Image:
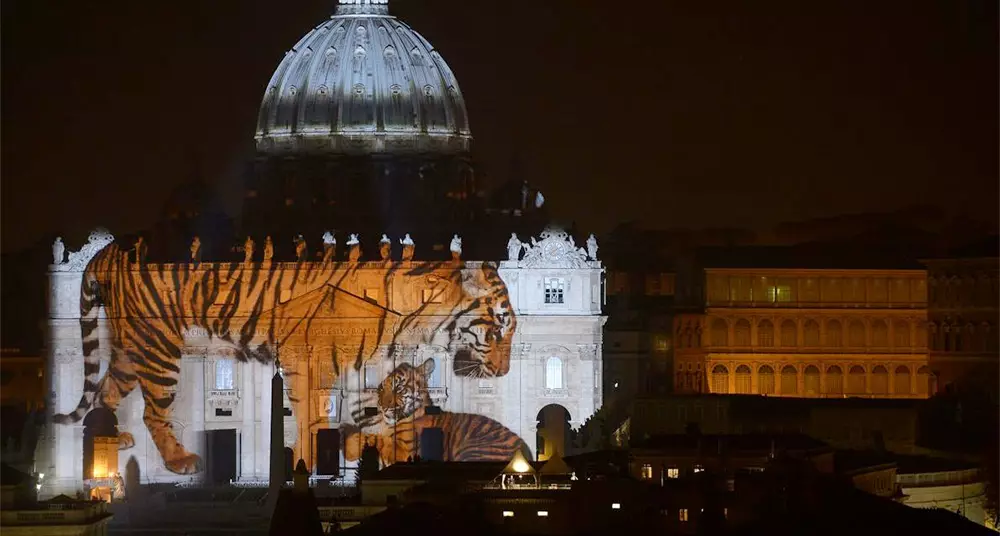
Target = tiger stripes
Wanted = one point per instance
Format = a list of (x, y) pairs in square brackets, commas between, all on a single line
[(402, 400), (252, 308)]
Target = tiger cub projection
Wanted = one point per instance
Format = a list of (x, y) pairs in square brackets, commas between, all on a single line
[(402, 402)]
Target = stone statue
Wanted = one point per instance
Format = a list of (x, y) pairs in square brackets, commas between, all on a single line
[(592, 247), (140, 251), (514, 247), (385, 247), (456, 247), (58, 251), (353, 248), (248, 250), (408, 246), (196, 250), (268, 249), (329, 246), (300, 249)]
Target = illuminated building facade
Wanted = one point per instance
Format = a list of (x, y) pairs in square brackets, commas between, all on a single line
[(367, 349), (964, 308), (811, 333)]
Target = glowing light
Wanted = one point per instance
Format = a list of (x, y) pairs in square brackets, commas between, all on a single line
[(543, 513), (41, 476), (616, 506), (508, 513), (521, 466)]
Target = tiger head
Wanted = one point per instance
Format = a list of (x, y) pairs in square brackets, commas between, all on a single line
[(404, 391), (482, 328)]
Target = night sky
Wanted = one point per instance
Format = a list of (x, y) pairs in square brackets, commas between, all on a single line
[(674, 113)]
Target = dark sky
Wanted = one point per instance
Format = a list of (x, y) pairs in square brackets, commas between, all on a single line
[(675, 113)]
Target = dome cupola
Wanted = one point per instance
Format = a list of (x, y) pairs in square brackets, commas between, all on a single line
[(362, 82)]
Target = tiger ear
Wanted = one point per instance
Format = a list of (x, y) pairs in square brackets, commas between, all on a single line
[(427, 368)]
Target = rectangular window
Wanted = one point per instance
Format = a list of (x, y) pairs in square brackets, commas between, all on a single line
[(554, 288), (224, 379), (431, 295), (543, 513), (698, 468), (647, 471), (673, 472), (508, 513), (434, 379), (219, 412), (553, 373), (371, 377), (662, 343), (682, 514)]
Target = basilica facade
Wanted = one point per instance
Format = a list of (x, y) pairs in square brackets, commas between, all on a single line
[(494, 344)]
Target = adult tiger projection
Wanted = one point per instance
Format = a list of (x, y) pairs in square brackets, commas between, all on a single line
[(181, 353)]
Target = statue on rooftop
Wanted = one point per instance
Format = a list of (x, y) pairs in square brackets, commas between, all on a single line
[(196, 250), (329, 246), (301, 252), (514, 247), (456, 247), (408, 246), (140, 251), (353, 248), (385, 247), (58, 251), (248, 250), (592, 247), (268, 249)]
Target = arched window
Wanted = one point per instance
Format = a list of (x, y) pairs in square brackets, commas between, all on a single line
[(789, 380), (720, 332), (856, 334), (765, 334), (901, 334), (924, 381), (434, 378), (880, 334), (902, 381), (811, 381), (880, 380), (834, 334), (834, 381), (742, 329), (856, 380), (810, 334), (743, 379), (720, 379), (789, 333), (225, 377), (553, 373), (765, 380)]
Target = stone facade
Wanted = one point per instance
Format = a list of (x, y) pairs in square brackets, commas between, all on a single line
[(807, 333), (554, 358)]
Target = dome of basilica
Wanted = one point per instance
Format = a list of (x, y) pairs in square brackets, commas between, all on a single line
[(363, 82)]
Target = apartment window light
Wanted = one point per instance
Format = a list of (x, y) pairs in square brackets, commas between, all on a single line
[(508, 513), (673, 472), (682, 514), (543, 513), (616, 506)]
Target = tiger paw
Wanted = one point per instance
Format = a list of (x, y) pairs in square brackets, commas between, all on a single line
[(125, 441), (187, 464)]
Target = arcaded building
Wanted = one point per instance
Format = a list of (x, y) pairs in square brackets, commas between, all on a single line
[(811, 333)]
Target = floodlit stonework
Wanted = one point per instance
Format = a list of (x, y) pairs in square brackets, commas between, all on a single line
[(807, 333), (324, 340)]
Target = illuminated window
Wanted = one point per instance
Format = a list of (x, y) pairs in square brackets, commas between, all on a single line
[(554, 287), (698, 468), (682, 514), (779, 293), (543, 513), (508, 513), (662, 344), (224, 374), (725, 513), (371, 377), (553, 373), (647, 471), (616, 506), (673, 472)]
